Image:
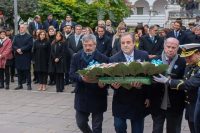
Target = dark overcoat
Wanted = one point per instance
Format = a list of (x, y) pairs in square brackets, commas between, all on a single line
[(41, 53), (89, 97), (129, 104), (25, 43)]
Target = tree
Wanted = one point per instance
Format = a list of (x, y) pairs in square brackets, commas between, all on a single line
[(26, 9), (84, 13)]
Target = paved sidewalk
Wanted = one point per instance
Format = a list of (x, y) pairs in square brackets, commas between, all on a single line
[(26, 111)]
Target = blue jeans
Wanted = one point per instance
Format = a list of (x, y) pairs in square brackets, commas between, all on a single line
[(137, 126)]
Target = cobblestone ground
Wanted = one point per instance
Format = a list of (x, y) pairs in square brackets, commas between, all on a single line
[(33, 111)]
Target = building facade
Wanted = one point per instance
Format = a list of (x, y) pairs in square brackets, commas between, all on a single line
[(151, 12)]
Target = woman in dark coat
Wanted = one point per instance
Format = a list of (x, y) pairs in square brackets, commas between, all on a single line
[(41, 55), (59, 57), (52, 34)]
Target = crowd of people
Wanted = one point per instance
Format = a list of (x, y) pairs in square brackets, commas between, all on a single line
[(58, 52)]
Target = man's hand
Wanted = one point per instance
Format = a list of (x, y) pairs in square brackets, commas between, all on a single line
[(116, 85), (19, 51), (152, 56), (161, 79), (56, 60), (147, 103), (101, 85), (137, 85), (89, 80)]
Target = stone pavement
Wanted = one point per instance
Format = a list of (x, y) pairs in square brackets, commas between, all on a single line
[(33, 111)]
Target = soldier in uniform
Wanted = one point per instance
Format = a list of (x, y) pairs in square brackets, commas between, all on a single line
[(190, 84)]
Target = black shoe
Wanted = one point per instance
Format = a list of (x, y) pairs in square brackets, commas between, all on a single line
[(29, 87), (12, 79), (36, 82), (7, 87), (1, 86), (50, 83), (19, 87), (73, 91), (53, 83)]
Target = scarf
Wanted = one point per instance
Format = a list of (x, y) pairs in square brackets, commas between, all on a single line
[(87, 58), (165, 102)]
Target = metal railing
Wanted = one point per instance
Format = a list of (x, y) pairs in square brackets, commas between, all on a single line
[(184, 14)]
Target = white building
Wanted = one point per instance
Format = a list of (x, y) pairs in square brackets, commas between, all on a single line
[(151, 12)]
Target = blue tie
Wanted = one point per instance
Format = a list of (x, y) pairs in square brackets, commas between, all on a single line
[(77, 39), (129, 58), (152, 39)]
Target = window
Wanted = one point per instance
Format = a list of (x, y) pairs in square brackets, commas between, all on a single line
[(140, 10)]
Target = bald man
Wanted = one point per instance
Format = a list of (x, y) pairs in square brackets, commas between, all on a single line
[(168, 104)]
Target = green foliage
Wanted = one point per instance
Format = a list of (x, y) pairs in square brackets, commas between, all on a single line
[(84, 13), (26, 9)]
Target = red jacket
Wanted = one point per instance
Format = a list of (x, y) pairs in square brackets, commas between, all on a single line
[(5, 52)]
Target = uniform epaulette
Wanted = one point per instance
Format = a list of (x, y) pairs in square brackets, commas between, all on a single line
[(198, 64)]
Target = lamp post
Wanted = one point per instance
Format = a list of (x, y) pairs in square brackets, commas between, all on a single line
[(15, 16)]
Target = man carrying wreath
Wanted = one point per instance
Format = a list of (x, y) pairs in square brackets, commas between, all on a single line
[(129, 104), (90, 97), (190, 84)]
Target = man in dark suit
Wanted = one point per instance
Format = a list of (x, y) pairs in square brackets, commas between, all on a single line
[(67, 34), (74, 42), (167, 104), (67, 31), (190, 84), (50, 22), (103, 41), (129, 104), (67, 21), (35, 25), (152, 43), (22, 45), (90, 97), (194, 37), (178, 33)]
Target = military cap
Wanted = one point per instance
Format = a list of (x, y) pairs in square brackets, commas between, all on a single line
[(189, 49)]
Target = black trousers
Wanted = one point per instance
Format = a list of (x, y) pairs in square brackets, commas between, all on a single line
[(35, 74), (7, 75), (42, 77), (82, 119), (59, 82), (173, 122), (67, 78), (52, 77), (24, 75)]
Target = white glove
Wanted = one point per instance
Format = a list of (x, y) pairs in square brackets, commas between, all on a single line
[(161, 79)]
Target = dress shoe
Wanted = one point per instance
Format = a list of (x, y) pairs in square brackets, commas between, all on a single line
[(12, 79), (29, 87), (19, 87), (7, 87), (73, 91), (1, 86), (50, 83)]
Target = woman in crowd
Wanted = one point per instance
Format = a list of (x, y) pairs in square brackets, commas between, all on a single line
[(137, 41), (35, 37), (5, 56), (140, 30), (51, 34), (59, 58), (11, 62), (41, 55)]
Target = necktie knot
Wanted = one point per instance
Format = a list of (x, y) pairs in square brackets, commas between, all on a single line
[(152, 39)]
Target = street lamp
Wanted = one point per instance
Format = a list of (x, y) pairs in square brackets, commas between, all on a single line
[(15, 16)]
